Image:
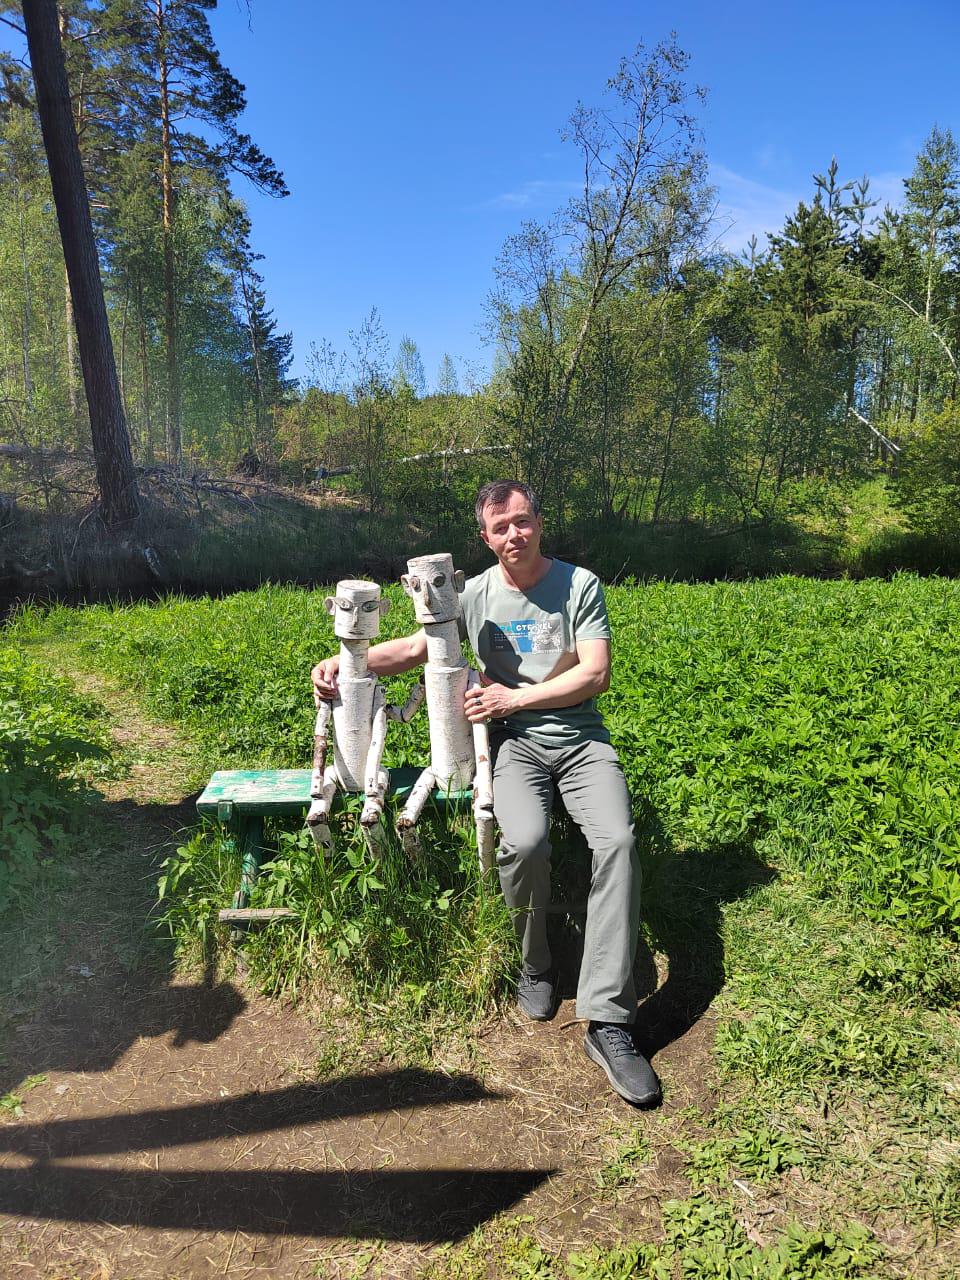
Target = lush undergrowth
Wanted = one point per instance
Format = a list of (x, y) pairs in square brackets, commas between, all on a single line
[(46, 730), (814, 724)]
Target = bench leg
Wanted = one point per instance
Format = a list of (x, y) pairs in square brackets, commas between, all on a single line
[(250, 841)]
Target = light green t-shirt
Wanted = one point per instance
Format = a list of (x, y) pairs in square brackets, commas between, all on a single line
[(521, 637)]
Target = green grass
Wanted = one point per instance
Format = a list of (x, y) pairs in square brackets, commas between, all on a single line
[(47, 732)]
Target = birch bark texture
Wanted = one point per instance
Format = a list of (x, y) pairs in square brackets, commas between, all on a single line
[(357, 716), (459, 751)]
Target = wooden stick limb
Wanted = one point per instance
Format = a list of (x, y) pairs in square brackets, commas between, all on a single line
[(378, 735), (410, 815), (321, 737), (411, 706), (318, 815)]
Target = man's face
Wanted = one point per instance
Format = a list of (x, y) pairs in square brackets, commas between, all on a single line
[(512, 531)]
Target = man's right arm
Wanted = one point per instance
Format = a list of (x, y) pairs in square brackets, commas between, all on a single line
[(390, 658)]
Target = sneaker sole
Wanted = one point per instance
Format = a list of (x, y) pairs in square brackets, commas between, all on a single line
[(638, 1100)]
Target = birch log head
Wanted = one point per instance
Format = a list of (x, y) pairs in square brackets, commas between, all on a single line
[(434, 587), (357, 609)]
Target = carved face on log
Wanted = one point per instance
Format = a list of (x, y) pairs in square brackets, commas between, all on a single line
[(356, 609), (434, 586)]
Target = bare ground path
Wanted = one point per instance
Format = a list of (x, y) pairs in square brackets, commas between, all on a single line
[(177, 1127)]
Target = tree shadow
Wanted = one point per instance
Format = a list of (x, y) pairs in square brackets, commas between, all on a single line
[(295, 1106), (421, 1205), (426, 1206), (65, 1012), (681, 916)]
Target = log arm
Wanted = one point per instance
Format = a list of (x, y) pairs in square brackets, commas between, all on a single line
[(321, 738), (411, 706), (318, 815)]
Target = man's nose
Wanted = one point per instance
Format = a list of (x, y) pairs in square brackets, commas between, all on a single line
[(428, 595)]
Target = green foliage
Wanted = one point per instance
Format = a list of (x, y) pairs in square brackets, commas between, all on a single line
[(758, 1154), (11, 1103), (631, 1156), (422, 947), (45, 732), (809, 722), (713, 1245), (704, 1240), (928, 483)]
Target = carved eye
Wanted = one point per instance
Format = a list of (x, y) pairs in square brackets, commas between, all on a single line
[(370, 605), (440, 579), (345, 605), (415, 584)]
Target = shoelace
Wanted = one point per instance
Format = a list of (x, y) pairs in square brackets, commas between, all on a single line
[(618, 1040)]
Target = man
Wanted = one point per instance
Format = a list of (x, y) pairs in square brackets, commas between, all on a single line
[(539, 628)]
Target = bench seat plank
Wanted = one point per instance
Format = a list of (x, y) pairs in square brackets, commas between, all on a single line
[(287, 791)]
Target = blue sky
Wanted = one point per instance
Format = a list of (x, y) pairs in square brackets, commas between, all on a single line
[(416, 137)]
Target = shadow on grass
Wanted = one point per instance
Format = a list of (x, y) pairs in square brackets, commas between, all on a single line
[(681, 916), (86, 972)]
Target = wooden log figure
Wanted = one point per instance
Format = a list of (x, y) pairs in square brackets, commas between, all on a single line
[(459, 751), (358, 716)]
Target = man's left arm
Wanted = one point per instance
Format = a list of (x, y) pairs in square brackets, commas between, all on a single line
[(588, 676)]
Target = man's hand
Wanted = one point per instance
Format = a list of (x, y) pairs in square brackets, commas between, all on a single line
[(324, 677), (489, 702)]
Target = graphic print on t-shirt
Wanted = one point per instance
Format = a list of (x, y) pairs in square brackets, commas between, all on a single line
[(525, 635)]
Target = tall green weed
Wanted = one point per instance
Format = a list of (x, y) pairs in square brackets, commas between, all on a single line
[(45, 732), (812, 723)]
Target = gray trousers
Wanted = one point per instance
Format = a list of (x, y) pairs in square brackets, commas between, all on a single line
[(591, 783)]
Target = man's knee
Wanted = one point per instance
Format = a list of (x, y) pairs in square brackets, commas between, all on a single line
[(616, 850), (523, 847)]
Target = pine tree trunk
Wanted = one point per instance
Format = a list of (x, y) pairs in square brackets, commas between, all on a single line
[(174, 435), (119, 499)]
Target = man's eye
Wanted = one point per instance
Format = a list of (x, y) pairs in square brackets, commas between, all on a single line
[(440, 579), (345, 605), (370, 605), (415, 583)]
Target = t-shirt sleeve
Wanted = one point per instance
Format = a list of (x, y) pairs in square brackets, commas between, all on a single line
[(591, 621)]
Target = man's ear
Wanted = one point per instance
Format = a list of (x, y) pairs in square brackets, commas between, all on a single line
[(385, 604), (330, 603), (405, 583), (458, 579)]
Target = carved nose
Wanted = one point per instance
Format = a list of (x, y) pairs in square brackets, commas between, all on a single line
[(428, 596)]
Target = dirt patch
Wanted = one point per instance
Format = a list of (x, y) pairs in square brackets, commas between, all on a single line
[(179, 1130)]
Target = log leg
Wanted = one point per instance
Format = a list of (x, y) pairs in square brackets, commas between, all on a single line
[(483, 794), (410, 815), (371, 818), (318, 815)]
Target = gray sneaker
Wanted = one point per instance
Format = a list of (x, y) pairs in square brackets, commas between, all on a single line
[(537, 994), (610, 1045)]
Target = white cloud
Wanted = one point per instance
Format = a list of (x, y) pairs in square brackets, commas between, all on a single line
[(535, 194), (748, 208)]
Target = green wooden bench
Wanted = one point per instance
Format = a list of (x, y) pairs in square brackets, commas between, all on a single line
[(241, 799)]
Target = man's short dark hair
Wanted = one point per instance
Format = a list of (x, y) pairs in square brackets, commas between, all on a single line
[(497, 492)]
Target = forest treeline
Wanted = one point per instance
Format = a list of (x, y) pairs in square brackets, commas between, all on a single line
[(642, 375)]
